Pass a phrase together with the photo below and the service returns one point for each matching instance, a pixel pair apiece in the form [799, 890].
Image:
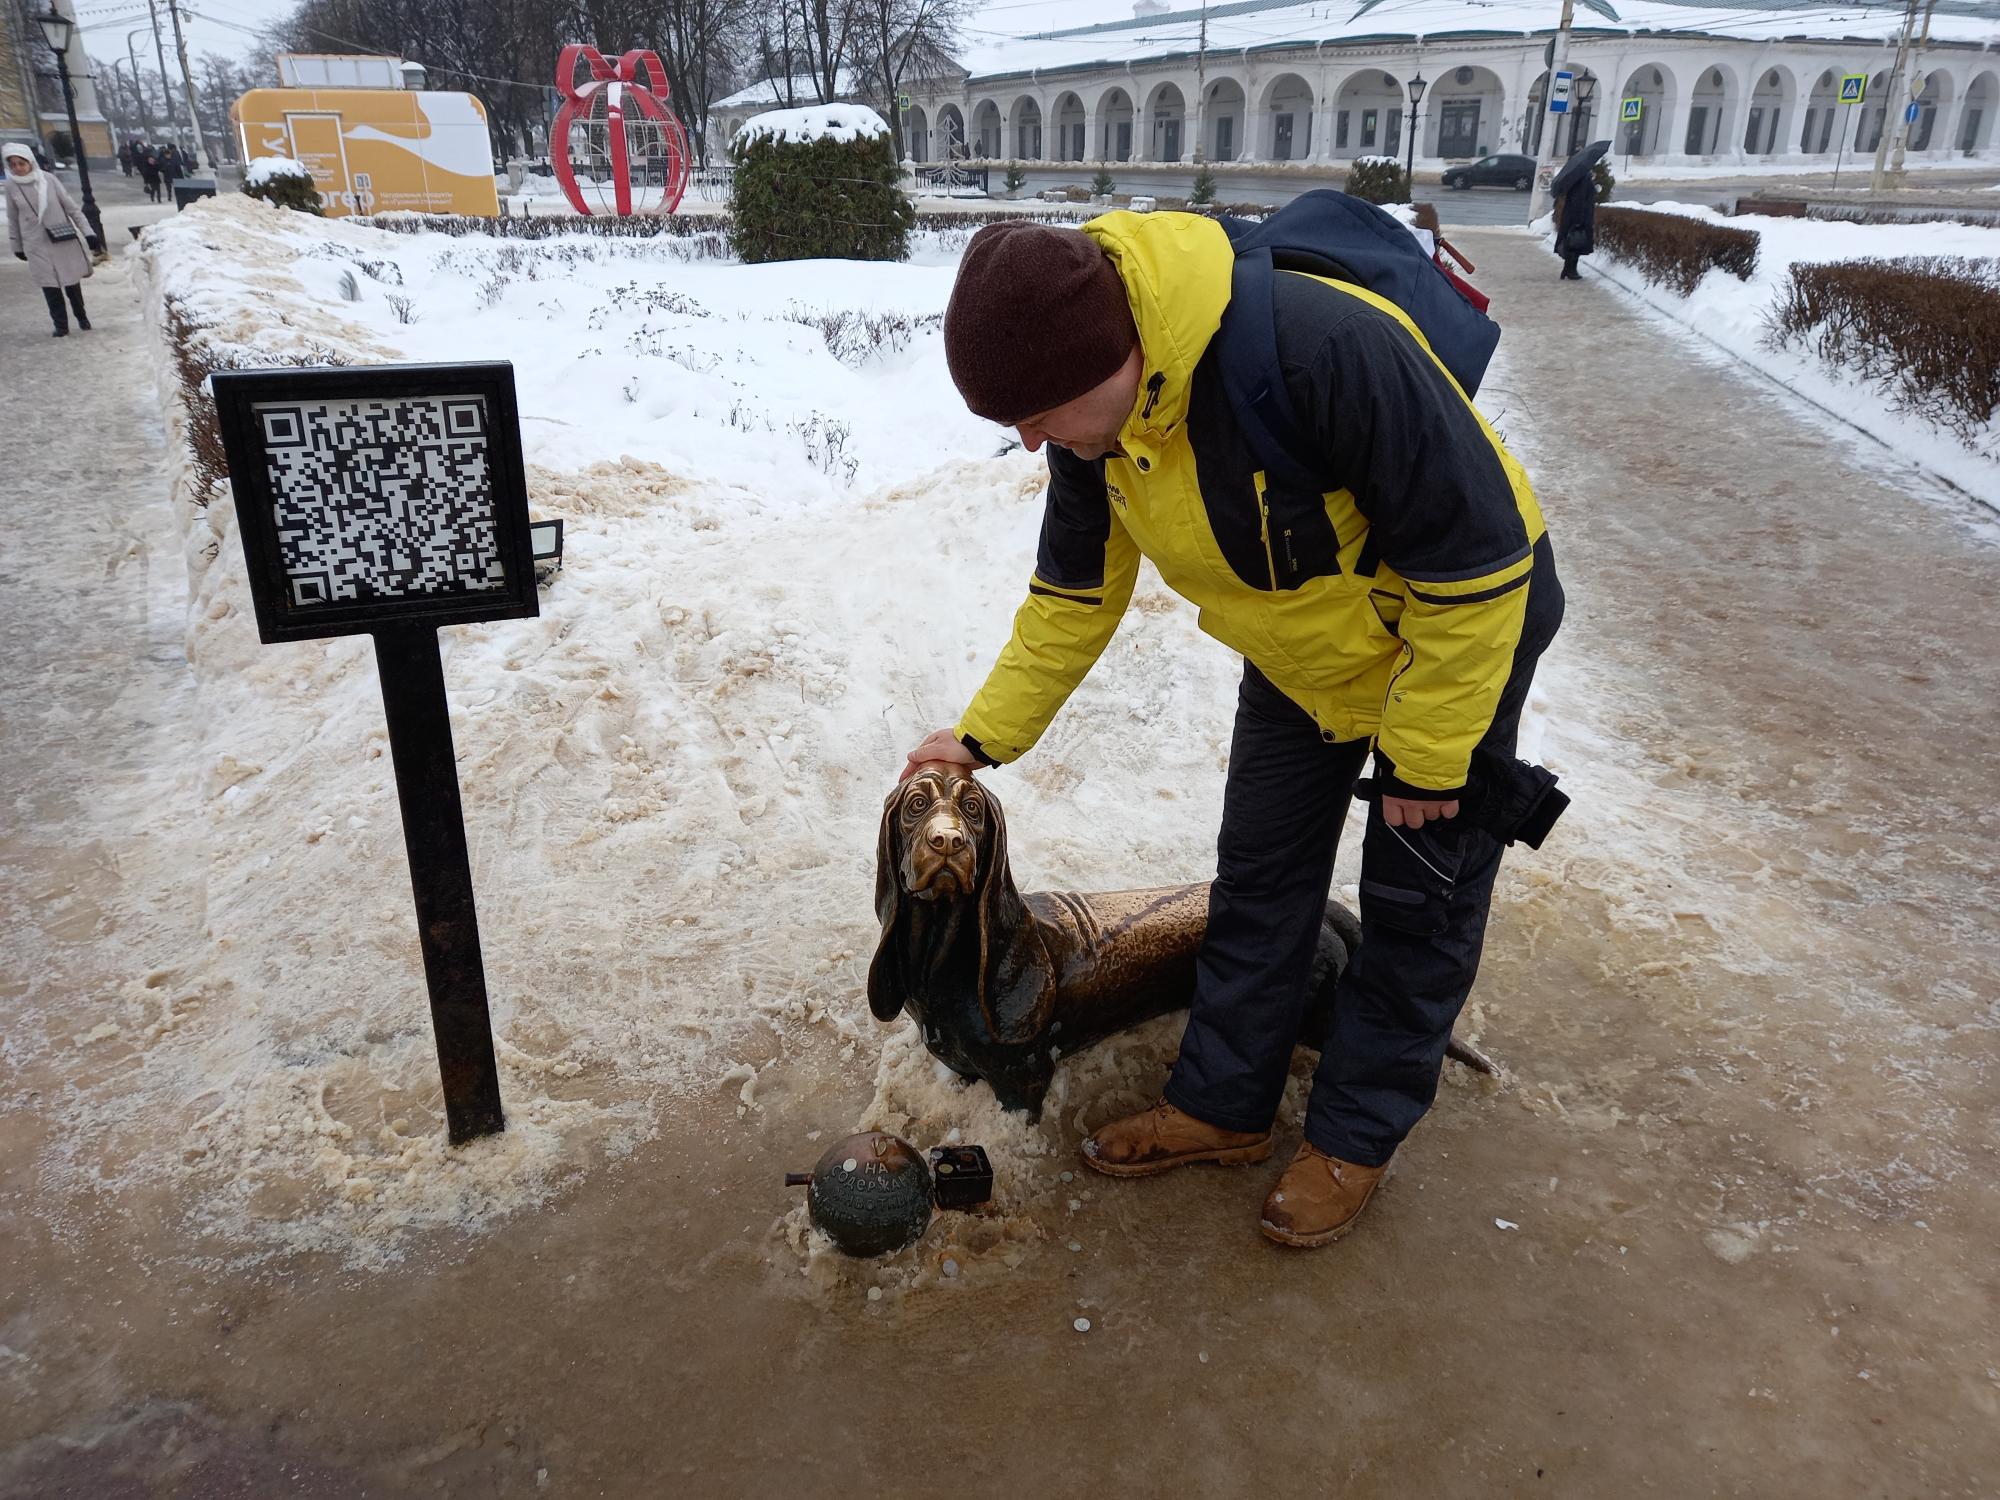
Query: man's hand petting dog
[939, 744]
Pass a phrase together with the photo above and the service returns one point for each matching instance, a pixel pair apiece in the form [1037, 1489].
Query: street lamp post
[56, 31]
[1586, 87]
[1416, 87]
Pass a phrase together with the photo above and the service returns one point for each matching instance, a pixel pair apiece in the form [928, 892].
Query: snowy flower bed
[1736, 314]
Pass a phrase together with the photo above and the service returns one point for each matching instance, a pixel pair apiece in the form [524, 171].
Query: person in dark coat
[125, 157]
[149, 172]
[1576, 226]
[172, 169]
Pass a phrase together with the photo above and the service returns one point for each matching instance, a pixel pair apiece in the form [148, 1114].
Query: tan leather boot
[1162, 1138]
[1318, 1199]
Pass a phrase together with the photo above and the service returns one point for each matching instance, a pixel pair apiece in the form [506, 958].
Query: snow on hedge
[264, 170]
[838, 122]
[1735, 315]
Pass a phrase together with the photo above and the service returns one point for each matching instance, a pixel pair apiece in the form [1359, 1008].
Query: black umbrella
[1577, 168]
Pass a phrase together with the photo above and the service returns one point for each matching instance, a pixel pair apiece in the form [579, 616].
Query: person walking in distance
[1576, 226]
[45, 229]
[148, 161]
[1401, 612]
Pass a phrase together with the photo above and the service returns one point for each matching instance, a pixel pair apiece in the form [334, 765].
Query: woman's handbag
[62, 234]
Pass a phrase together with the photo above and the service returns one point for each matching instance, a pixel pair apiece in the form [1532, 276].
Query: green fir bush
[1378, 179]
[287, 190]
[1204, 187]
[1015, 177]
[1102, 185]
[818, 198]
[1601, 178]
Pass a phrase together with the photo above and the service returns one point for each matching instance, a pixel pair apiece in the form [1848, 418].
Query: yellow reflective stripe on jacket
[1058, 635]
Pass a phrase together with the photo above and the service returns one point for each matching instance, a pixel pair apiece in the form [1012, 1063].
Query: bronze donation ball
[871, 1193]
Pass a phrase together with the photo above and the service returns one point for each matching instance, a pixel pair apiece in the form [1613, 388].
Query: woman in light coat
[46, 231]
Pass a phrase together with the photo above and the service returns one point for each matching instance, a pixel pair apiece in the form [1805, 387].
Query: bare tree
[903, 39]
[829, 31]
[777, 54]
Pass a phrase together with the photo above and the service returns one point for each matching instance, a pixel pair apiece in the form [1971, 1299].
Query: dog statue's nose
[946, 840]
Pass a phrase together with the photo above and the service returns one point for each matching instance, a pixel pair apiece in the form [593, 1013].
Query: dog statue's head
[943, 842]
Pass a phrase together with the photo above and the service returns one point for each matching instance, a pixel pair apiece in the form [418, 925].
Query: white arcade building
[1311, 82]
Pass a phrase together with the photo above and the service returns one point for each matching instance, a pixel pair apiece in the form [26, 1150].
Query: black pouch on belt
[1515, 801]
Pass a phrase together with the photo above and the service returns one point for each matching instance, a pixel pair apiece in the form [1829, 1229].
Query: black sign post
[391, 500]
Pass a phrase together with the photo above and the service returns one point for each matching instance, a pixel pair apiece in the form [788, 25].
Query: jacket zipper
[1153, 393]
[1264, 528]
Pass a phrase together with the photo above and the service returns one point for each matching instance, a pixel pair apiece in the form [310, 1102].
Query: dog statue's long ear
[1013, 967]
[885, 979]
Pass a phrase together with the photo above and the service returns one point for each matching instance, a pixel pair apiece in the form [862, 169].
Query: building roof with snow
[771, 93]
[1155, 33]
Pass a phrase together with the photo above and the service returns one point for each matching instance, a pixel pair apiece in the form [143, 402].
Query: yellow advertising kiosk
[376, 150]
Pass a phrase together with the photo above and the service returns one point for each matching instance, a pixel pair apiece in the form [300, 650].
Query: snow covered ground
[790, 553]
[1734, 313]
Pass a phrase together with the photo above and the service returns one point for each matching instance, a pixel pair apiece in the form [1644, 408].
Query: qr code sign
[381, 499]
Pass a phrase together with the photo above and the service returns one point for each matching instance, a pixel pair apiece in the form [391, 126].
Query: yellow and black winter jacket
[1389, 608]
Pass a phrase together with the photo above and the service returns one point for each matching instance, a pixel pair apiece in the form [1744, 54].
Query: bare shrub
[1673, 251]
[855, 337]
[1925, 330]
[403, 307]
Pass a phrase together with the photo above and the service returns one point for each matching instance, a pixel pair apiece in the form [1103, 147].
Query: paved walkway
[1746, 998]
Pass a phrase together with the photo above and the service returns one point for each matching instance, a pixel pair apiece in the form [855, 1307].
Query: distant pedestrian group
[159, 167]
[47, 231]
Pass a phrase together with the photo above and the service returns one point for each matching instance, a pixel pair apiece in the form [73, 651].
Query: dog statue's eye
[916, 803]
[972, 807]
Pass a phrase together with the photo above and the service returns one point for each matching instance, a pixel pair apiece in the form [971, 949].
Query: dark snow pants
[54, 297]
[1424, 896]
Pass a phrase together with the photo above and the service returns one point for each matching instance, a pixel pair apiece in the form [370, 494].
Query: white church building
[1308, 81]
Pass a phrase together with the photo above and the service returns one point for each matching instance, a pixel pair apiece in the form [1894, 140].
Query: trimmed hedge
[1378, 179]
[549, 226]
[1672, 251]
[293, 191]
[1925, 329]
[818, 199]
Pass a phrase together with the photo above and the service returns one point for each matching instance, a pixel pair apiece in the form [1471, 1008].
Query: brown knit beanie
[1038, 316]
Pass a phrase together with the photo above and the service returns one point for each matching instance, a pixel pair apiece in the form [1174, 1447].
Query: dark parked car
[1517, 172]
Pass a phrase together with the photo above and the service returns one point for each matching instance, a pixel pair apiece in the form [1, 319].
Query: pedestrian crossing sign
[1631, 109]
[1853, 87]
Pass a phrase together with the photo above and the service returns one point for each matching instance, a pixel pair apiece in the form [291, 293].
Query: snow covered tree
[818, 181]
[280, 180]
[1378, 179]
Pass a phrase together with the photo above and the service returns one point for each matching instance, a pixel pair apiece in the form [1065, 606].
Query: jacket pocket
[1408, 875]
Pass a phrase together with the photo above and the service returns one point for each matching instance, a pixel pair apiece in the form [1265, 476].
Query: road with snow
[1745, 999]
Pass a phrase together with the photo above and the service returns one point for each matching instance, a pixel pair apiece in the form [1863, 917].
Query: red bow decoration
[625, 93]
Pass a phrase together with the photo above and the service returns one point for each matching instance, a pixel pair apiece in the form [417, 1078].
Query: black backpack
[1327, 233]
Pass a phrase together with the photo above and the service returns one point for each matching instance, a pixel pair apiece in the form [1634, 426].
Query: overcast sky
[225, 26]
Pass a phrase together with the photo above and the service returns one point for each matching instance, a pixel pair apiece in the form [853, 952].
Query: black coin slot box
[961, 1176]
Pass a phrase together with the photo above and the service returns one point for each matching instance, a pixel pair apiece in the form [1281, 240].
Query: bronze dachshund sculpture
[1004, 984]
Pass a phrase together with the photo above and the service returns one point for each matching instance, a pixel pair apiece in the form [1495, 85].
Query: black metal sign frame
[248, 402]
[392, 499]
